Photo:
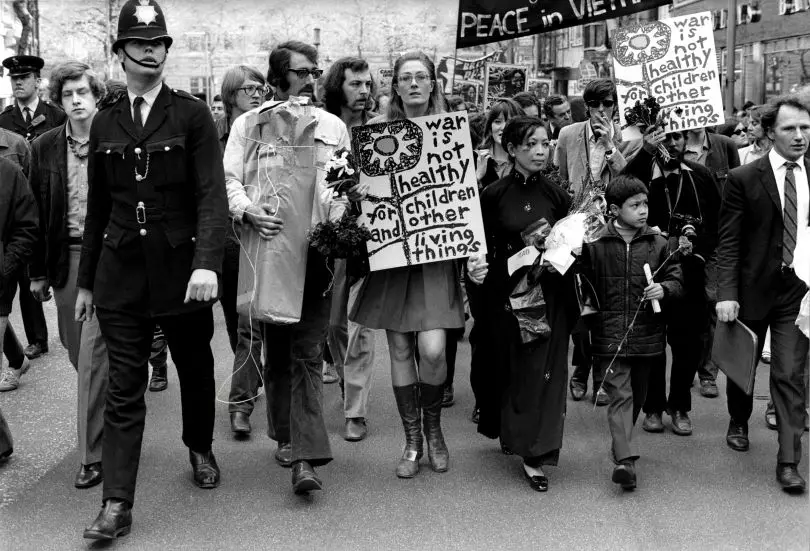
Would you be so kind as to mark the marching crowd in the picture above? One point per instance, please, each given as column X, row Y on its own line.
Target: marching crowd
column 126, row 204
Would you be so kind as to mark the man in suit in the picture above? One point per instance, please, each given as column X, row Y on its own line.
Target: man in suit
column 558, row 115
column 763, row 221
column 29, row 117
column 58, row 180
column 151, row 253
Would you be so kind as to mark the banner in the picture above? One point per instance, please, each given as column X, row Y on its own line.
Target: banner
column 675, row 61
column 504, row 81
column 484, row 21
column 540, row 87
column 451, row 68
column 423, row 202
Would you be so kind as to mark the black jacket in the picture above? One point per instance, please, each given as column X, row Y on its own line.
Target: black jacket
column 46, row 116
column 18, row 229
column 139, row 261
column 616, row 270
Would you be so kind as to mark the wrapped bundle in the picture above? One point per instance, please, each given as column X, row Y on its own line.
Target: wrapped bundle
column 527, row 302
column 584, row 220
column 280, row 172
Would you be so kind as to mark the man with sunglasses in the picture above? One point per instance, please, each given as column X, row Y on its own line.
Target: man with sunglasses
column 592, row 151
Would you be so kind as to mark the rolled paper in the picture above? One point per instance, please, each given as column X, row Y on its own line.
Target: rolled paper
column 656, row 306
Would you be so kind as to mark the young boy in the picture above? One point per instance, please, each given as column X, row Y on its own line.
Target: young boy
column 614, row 263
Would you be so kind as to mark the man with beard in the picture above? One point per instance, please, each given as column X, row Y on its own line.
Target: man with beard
column 151, row 254
column 347, row 89
column 684, row 202
column 293, row 352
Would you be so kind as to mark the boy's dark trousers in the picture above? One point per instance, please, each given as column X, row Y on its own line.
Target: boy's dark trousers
column 687, row 322
column 626, row 385
column 582, row 361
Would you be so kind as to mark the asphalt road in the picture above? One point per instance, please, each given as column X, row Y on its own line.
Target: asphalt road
column 694, row 492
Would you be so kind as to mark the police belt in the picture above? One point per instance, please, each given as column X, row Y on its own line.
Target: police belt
column 137, row 218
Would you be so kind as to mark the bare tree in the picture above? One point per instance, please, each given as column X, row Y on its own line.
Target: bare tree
column 23, row 13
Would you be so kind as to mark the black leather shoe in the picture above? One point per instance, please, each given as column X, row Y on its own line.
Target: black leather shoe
column 33, row 351
column 304, row 479
column 89, row 475
column 577, row 389
column 159, row 380
column 737, row 436
column 206, row 470
column 240, row 423
column 114, row 520
column 505, row 449
column 770, row 416
column 625, row 476
column 283, row 455
column 788, row 476
column 448, row 398
column 356, row 429
column 681, row 424
column 537, row 483
column 475, row 415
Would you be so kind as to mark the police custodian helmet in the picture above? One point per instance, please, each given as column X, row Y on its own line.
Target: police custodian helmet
column 143, row 20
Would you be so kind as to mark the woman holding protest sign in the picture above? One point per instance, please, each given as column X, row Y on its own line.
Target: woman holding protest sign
column 415, row 304
column 525, row 401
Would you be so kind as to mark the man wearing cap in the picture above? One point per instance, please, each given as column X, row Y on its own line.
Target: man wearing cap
column 29, row 117
column 152, row 253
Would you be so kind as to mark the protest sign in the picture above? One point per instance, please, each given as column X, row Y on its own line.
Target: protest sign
column 384, row 77
column 423, row 202
column 451, row 69
column 540, row 87
column 503, row 81
column 674, row 61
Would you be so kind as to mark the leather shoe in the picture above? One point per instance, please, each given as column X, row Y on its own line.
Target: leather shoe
column 304, row 479
column 577, row 389
column 475, row 415
column 206, row 470
column 356, row 429
column 708, row 388
column 653, row 423
column 34, row 351
column 737, row 436
column 114, row 520
column 681, row 424
column 448, row 397
column 505, row 449
column 624, row 475
column 283, row 455
column 240, row 423
column 770, row 416
column 601, row 398
column 159, row 380
column 788, row 476
column 89, row 475
column 538, row 483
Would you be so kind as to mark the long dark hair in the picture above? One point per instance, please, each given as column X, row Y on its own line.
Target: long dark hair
column 509, row 108
column 396, row 109
column 336, row 76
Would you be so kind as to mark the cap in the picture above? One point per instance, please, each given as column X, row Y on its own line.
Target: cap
column 19, row 65
column 143, row 20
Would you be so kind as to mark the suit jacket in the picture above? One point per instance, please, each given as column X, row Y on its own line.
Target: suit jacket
column 48, row 180
column 722, row 156
column 46, row 116
column 749, row 254
column 139, row 260
column 571, row 155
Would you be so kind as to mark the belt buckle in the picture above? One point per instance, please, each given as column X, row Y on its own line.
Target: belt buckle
column 140, row 213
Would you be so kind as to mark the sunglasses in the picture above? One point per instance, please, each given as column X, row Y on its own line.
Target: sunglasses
column 594, row 104
column 304, row 73
column 739, row 131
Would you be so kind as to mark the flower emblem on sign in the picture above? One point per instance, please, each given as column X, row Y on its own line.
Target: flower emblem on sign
column 643, row 44
column 390, row 147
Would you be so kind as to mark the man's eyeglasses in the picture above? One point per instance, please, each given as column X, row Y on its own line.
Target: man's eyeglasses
column 304, row 73
column 250, row 90
column 407, row 78
column 594, row 103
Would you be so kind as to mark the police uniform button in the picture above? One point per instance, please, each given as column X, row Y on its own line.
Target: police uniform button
column 105, row 236
column 193, row 239
column 109, row 151
column 166, row 148
column 137, row 151
column 142, row 232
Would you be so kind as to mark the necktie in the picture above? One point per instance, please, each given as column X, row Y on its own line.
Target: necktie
column 789, row 216
column 136, row 108
column 27, row 115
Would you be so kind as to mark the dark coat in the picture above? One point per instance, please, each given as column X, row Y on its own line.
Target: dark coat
column 49, row 180
column 18, row 229
column 722, row 156
column 749, row 255
column 15, row 148
column 51, row 116
column 616, row 270
column 144, row 268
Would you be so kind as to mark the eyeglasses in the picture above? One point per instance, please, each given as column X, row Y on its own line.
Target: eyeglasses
column 250, row 90
column 594, row 104
column 304, row 73
column 407, row 78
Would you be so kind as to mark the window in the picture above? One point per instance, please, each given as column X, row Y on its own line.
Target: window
column 594, row 35
column 562, row 41
column 195, row 42
column 196, row 85
column 786, row 7
column 576, row 36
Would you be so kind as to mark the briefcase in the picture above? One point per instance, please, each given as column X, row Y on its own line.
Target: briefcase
column 735, row 353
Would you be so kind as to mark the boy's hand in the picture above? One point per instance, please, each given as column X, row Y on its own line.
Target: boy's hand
column 654, row 291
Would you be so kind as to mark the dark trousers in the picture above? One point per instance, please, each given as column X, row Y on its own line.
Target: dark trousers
column 158, row 355
column 12, row 348
column 129, row 342
column 626, row 385
column 36, row 329
column 687, row 332
column 789, row 349
column 292, row 375
column 581, row 358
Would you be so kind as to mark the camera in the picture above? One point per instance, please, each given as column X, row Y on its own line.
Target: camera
column 685, row 225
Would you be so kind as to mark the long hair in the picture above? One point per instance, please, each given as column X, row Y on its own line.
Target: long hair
column 74, row 70
column 396, row 109
column 334, row 79
column 233, row 80
column 509, row 108
column 279, row 62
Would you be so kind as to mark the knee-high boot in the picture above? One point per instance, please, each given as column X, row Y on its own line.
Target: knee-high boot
column 407, row 398
column 431, row 401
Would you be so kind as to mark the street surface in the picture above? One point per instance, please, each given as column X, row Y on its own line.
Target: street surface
column 694, row 492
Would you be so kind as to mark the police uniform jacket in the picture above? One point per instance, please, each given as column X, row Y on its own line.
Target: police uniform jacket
column 143, row 238
column 46, row 116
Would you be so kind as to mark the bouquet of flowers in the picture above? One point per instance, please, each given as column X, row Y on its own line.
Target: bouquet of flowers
column 342, row 239
column 341, row 173
column 649, row 113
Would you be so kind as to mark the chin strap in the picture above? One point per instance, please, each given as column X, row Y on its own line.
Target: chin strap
column 142, row 64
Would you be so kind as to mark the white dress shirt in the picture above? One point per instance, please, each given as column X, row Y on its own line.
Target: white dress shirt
column 802, row 192
column 32, row 104
column 148, row 101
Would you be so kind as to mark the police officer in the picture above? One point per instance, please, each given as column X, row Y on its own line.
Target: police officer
column 152, row 253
